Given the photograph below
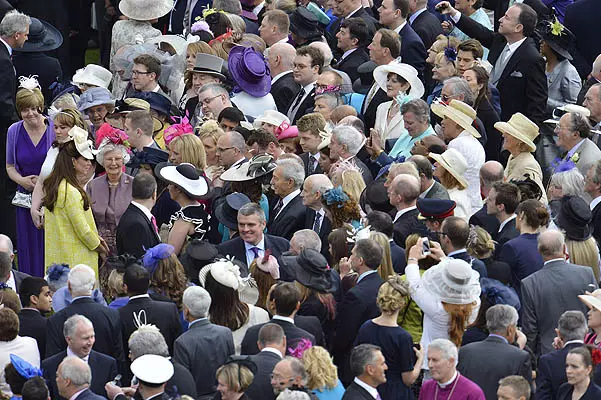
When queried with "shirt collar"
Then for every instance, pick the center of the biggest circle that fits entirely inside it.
(77, 394)
(425, 192)
(308, 88)
(81, 297)
(574, 149)
(273, 350)
(195, 321)
(260, 245)
(553, 260)
(353, 13)
(451, 254)
(71, 354)
(12, 283)
(289, 197)
(142, 207)
(278, 76)
(514, 46)
(445, 384)
(400, 27)
(282, 318)
(511, 218)
(366, 273)
(415, 15)
(500, 337)
(348, 52)
(595, 201)
(399, 213)
(10, 49)
(573, 341)
(140, 296)
(373, 392)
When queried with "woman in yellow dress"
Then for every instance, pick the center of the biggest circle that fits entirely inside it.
(71, 235)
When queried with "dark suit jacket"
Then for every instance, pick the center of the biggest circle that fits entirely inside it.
(551, 372)
(311, 323)
(399, 261)
(593, 392)
(293, 335)
(33, 324)
(476, 264)
(428, 27)
(107, 326)
(523, 83)
(89, 395)
(510, 360)
(413, 51)
(498, 270)
(305, 158)
(370, 21)
(47, 68)
(324, 230)
(489, 222)
(203, 349)
(356, 392)
(290, 219)
(104, 369)
(19, 276)
(261, 387)
(182, 381)
(365, 172)
(489, 117)
(357, 306)
(581, 18)
(135, 233)
(508, 232)
(352, 61)
(406, 225)
(438, 192)
(284, 90)
(596, 223)
(539, 315)
(369, 115)
(305, 107)
(235, 247)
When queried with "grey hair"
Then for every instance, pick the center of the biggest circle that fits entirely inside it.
(325, 50)
(418, 107)
(332, 99)
(14, 22)
(81, 279)
(298, 368)
(580, 124)
(285, 50)
(571, 182)
(9, 243)
(147, 339)
(572, 326)
(252, 209)
(292, 170)
(550, 243)
(322, 185)
(596, 173)
(238, 24)
(289, 394)
(446, 347)
(307, 239)
(459, 86)
(237, 140)
(229, 6)
(598, 87)
(70, 325)
(107, 148)
(350, 137)
(197, 300)
(500, 317)
(76, 370)
(362, 356)
(215, 88)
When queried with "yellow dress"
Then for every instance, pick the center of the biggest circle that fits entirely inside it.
(70, 231)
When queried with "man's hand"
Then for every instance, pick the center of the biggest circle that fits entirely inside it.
(113, 390)
(445, 8)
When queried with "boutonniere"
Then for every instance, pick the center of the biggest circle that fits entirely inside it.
(575, 157)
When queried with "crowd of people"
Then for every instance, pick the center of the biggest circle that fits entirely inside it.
(278, 199)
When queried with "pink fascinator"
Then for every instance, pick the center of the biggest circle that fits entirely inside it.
(271, 266)
(177, 130)
(107, 134)
(301, 347)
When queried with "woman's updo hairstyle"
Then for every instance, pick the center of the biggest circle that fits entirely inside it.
(535, 213)
(29, 98)
(480, 243)
(591, 356)
(393, 294)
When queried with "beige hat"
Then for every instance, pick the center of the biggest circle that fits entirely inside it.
(521, 128)
(82, 144)
(454, 163)
(93, 75)
(272, 117)
(592, 300)
(459, 112)
(145, 10)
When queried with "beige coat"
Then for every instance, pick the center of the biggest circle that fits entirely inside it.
(525, 163)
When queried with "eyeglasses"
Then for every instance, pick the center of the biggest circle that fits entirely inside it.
(136, 73)
(208, 100)
(222, 150)
(280, 378)
(561, 128)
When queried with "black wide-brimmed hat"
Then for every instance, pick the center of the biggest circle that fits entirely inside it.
(366, 77)
(42, 37)
(198, 254)
(375, 196)
(186, 177)
(304, 23)
(310, 269)
(148, 156)
(558, 37)
(227, 211)
(575, 218)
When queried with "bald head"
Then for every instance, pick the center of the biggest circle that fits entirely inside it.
(325, 50)
(313, 188)
(6, 245)
(280, 57)
(596, 72)
(490, 173)
(551, 245)
(407, 186)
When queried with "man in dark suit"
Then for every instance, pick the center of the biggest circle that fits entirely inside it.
(272, 345)
(519, 69)
(36, 300)
(349, 9)
(252, 242)
(403, 193)
(205, 346)
(308, 63)
(284, 301)
(288, 214)
(539, 315)
(137, 230)
(73, 380)
(284, 89)
(593, 188)
(106, 320)
(79, 334)
(313, 190)
(490, 173)
(429, 188)
(501, 321)
(453, 240)
(502, 201)
(309, 128)
(352, 40)
(358, 304)
(580, 19)
(424, 23)
(164, 315)
(347, 142)
(368, 366)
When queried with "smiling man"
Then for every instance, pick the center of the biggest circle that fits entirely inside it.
(288, 214)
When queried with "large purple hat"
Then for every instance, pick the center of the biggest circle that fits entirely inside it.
(249, 70)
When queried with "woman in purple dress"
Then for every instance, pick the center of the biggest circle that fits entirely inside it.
(28, 142)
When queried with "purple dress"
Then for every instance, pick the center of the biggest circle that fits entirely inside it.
(28, 159)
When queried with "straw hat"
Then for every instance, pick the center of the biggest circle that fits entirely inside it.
(568, 108)
(405, 71)
(521, 128)
(93, 75)
(453, 281)
(454, 163)
(145, 10)
(460, 113)
(592, 300)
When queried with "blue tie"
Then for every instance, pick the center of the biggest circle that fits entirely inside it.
(255, 251)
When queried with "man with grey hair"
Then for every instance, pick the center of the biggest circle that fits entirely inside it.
(252, 242)
(288, 214)
(304, 239)
(212, 99)
(106, 320)
(539, 315)
(592, 101)
(491, 172)
(403, 194)
(501, 321)
(288, 373)
(13, 278)
(551, 371)
(345, 143)
(369, 369)
(313, 190)
(592, 186)
(284, 89)
(73, 379)
(230, 149)
(573, 132)
(205, 346)
(79, 334)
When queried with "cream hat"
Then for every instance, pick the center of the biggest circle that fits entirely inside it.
(572, 108)
(93, 75)
(145, 10)
(592, 300)
(405, 71)
(152, 368)
(454, 163)
(224, 272)
(459, 112)
(453, 281)
(272, 117)
(82, 144)
(521, 128)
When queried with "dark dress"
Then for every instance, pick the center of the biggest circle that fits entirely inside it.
(397, 348)
(312, 306)
(197, 216)
(592, 393)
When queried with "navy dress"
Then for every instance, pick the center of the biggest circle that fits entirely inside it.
(521, 253)
(592, 393)
(397, 348)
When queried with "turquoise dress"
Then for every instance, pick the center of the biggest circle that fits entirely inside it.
(335, 393)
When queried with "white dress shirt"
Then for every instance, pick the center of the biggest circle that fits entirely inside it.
(250, 255)
(403, 211)
(145, 210)
(512, 217)
(373, 392)
(595, 201)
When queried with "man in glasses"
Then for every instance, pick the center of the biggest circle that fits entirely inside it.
(288, 373)
(145, 75)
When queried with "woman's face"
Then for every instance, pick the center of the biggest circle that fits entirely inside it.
(545, 50)
(394, 86)
(472, 80)
(210, 148)
(62, 132)
(576, 371)
(97, 115)
(175, 156)
(173, 191)
(442, 70)
(288, 145)
(82, 166)
(324, 162)
(190, 59)
(113, 162)
(511, 144)
(594, 318)
(438, 170)
(224, 389)
(30, 114)
(432, 53)
(268, 127)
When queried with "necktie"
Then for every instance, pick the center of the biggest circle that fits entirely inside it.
(370, 95)
(317, 223)
(277, 208)
(500, 65)
(294, 108)
(311, 165)
(255, 251)
(154, 224)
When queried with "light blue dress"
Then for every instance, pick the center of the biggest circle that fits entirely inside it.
(330, 394)
(480, 17)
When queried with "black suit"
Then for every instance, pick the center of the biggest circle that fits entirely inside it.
(284, 90)
(582, 18)
(490, 223)
(235, 247)
(182, 381)
(405, 225)
(107, 326)
(47, 68)
(33, 324)
(311, 324)
(104, 369)
(399, 261)
(290, 219)
(356, 392)
(498, 270)
(508, 232)
(261, 387)
(135, 232)
(413, 51)
(306, 158)
(509, 360)
(369, 114)
(428, 27)
(350, 63)
(362, 13)
(306, 106)
(19, 276)
(523, 83)
(324, 230)
(292, 332)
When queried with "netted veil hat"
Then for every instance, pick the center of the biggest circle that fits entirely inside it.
(453, 281)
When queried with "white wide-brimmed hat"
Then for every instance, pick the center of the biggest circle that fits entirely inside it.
(460, 113)
(453, 281)
(145, 10)
(185, 176)
(93, 75)
(521, 128)
(83, 145)
(152, 368)
(568, 108)
(405, 71)
(179, 43)
(454, 162)
(592, 300)
(272, 117)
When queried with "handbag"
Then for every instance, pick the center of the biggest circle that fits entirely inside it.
(22, 200)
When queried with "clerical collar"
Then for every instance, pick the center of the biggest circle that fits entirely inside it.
(445, 384)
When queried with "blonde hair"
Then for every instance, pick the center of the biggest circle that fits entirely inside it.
(196, 48)
(115, 284)
(441, 56)
(321, 371)
(210, 129)
(27, 98)
(191, 149)
(238, 24)
(584, 252)
(449, 181)
(353, 184)
(235, 376)
(443, 41)
(407, 167)
(385, 269)
(393, 294)
(480, 243)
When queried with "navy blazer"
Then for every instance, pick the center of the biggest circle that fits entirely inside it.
(284, 90)
(399, 260)
(593, 392)
(352, 62)
(292, 332)
(551, 372)
(33, 324)
(521, 253)
(261, 388)
(476, 264)
(235, 247)
(406, 225)
(508, 232)
(135, 233)
(489, 222)
(428, 27)
(413, 51)
(290, 219)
